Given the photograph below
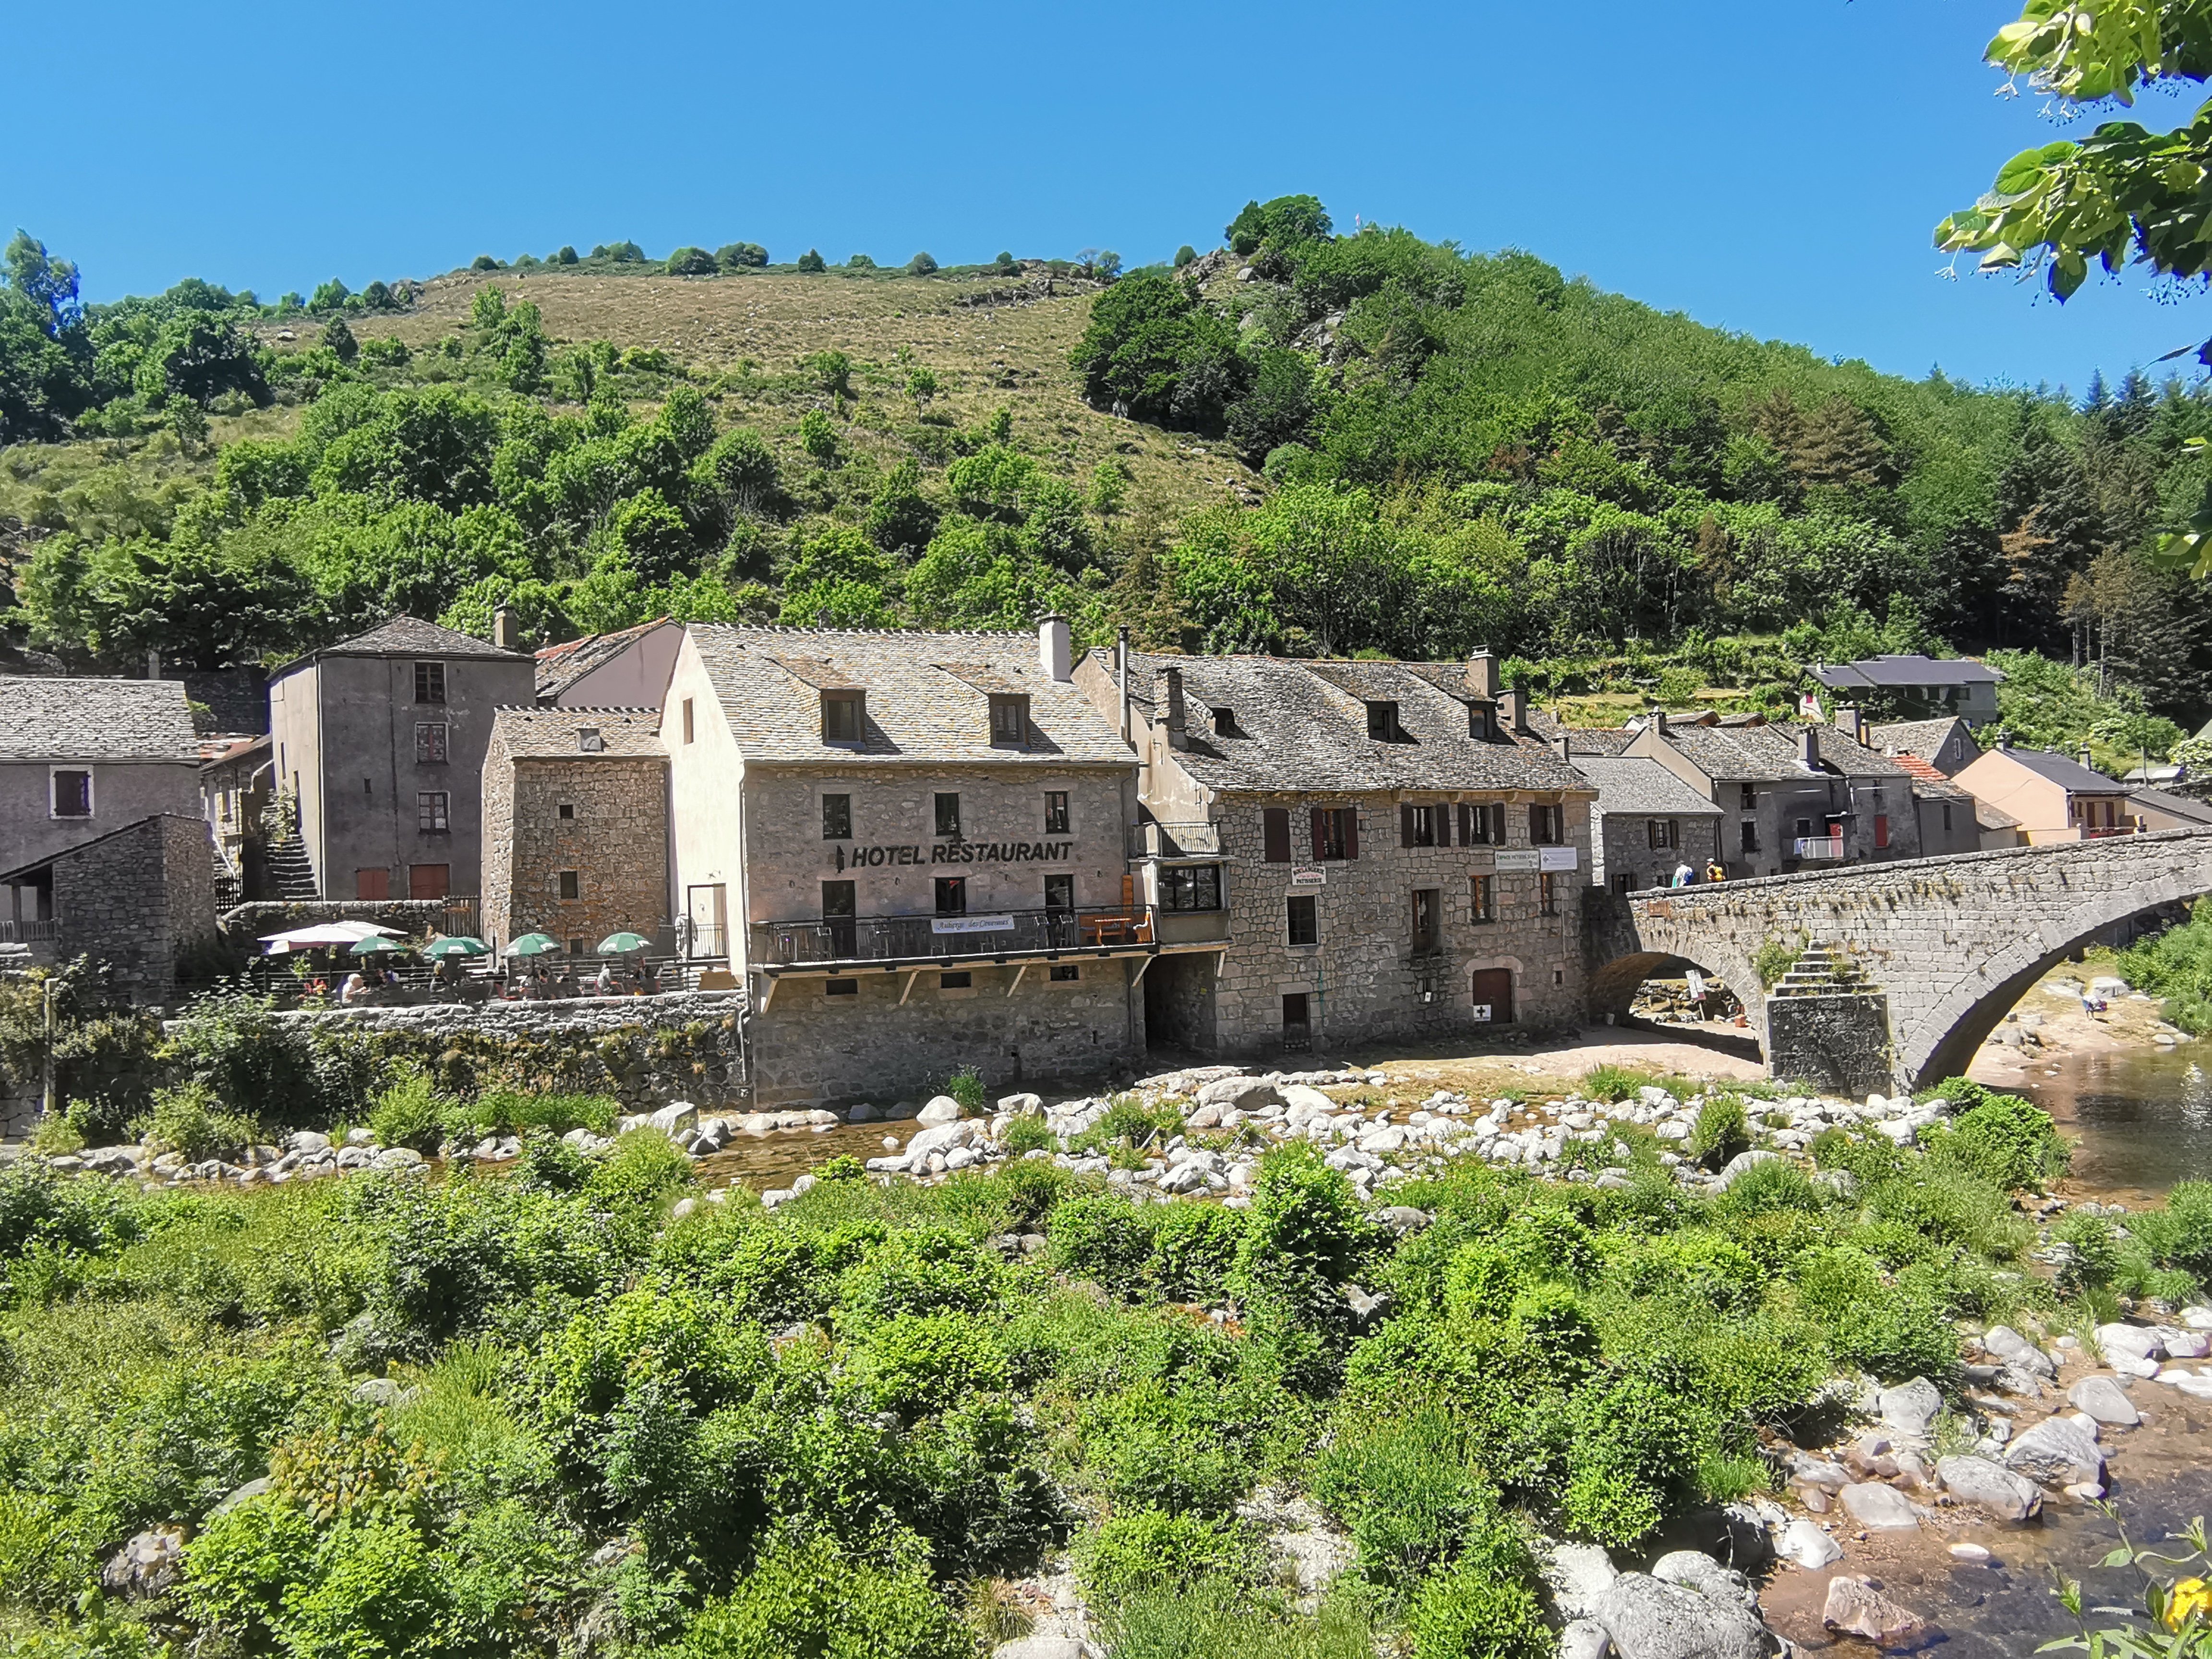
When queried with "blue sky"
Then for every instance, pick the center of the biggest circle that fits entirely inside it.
(1771, 168)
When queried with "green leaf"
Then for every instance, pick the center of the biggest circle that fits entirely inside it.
(2120, 1557)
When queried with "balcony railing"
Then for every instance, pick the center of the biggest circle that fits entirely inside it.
(2098, 832)
(29, 932)
(1174, 841)
(933, 938)
(1817, 847)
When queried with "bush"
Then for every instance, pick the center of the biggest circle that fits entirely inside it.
(1468, 1614)
(1407, 1492)
(692, 262)
(843, 1167)
(1106, 1240)
(919, 1362)
(1721, 1132)
(1193, 1248)
(189, 1121)
(1129, 1122)
(1614, 1083)
(741, 255)
(500, 1111)
(1185, 255)
(1631, 1457)
(811, 260)
(411, 1113)
(921, 265)
(645, 1167)
(2180, 1235)
(812, 1598)
(817, 435)
(1305, 1221)
(966, 1086)
(1152, 1549)
(2092, 1258)
(2005, 1141)
(1030, 1132)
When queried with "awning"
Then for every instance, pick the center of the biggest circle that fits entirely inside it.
(332, 934)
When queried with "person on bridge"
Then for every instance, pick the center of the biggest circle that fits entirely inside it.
(1683, 875)
(1716, 871)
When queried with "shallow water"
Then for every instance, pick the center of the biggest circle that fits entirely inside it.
(2143, 1119)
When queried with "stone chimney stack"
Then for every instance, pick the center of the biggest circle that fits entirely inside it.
(1053, 654)
(1659, 721)
(1809, 747)
(1482, 673)
(1122, 675)
(1846, 720)
(507, 628)
(1171, 695)
(2082, 754)
(2005, 741)
(1516, 711)
(1563, 746)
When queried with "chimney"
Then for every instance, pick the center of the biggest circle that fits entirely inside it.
(2005, 741)
(1658, 722)
(1563, 746)
(1516, 711)
(1122, 675)
(1809, 747)
(1172, 679)
(506, 627)
(1052, 647)
(1846, 718)
(2082, 754)
(1482, 673)
(154, 665)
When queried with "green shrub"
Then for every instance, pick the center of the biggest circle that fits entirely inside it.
(2179, 1236)
(500, 1111)
(1304, 1221)
(2004, 1140)
(1406, 1490)
(1193, 1248)
(1720, 1132)
(1106, 1240)
(966, 1086)
(814, 1599)
(411, 1113)
(1030, 1132)
(2092, 1258)
(644, 1167)
(918, 1363)
(189, 1122)
(1614, 1083)
(1468, 1614)
(692, 262)
(920, 1270)
(1129, 1122)
(1871, 1158)
(1151, 1549)
(1632, 1456)
(1547, 1240)
(921, 265)
(843, 1167)
(1871, 1323)
(1706, 1265)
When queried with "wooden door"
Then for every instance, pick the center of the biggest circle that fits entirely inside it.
(1493, 996)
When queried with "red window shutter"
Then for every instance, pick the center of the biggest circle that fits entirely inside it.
(1275, 832)
(1880, 830)
(1352, 832)
(1405, 825)
(1320, 831)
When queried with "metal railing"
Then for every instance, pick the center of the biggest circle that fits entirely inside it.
(1174, 841)
(1817, 847)
(30, 932)
(933, 938)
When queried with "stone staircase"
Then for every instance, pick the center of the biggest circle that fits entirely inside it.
(1817, 972)
(291, 872)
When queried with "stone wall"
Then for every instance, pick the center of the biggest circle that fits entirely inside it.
(1363, 979)
(136, 899)
(1837, 1042)
(615, 839)
(808, 1045)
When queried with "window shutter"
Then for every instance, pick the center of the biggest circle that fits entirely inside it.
(1466, 824)
(1320, 831)
(1275, 833)
(1405, 824)
(1352, 832)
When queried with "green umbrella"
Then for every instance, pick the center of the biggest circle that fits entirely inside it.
(456, 945)
(621, 944)
(375, 945)
(533, 945)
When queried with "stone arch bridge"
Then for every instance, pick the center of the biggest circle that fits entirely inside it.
(1952, 942)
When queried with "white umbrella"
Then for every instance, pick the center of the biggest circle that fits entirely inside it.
(332, 933)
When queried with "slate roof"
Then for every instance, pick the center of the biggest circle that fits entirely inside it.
(1637, 787)
(1591, 740)
(88, 720)
(560, 667)
(2194, 812)
(1754, 754)
(1888, 671)
(1925, 738)
(2070, 775)
(409, 637)
(917, 711)
(1928, 781)
(537, 734)
(1301, 727)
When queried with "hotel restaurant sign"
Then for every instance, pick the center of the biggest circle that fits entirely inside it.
(958, 851)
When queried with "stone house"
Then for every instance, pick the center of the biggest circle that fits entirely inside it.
(911, 848)
(237, 785)
(380, 742)
(1920, 686)
(575, 816)
(1648, 822)
(2049, 797)
(1791, 795)
(1947, 746)
(627, 669)
(1397, 854)
(138, 899)
(78, 758)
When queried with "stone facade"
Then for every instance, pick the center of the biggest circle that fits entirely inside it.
(575, 842)
(1838, 1041)
(137, 899)
(1624, 849)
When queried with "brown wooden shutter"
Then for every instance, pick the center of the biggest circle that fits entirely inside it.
(1275, 834)
(1352, 832)
(1405, 824)
(1320, 831)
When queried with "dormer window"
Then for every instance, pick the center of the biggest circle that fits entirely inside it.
(1481, 722)
(589, 740)
(1225, 722)
(1010, 719)
(1382, 722)
(842, 712)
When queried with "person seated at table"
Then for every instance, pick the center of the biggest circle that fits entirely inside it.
(604, 984)
(355, 990)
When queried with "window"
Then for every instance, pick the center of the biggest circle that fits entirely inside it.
(1190, 887)
(839, 907)
(567, 809)
(1748, 837)
(72, 793)
(372, 884)
(1547, 894)
(1663, 834)
(836, 817)
(1748, 797)
(1804, 828)
(1060, 892)
(959, 981)
(690, 730)
(429, 881)
(841, 716)
(1275, 834)
(1481, 826)
(430, 743)
(1947, 817)
(430, 682)
(571, 886)
(1480, 721)
(367, 789)
(1382, 722)
(1010, 719)
(1055, 812)
(1066, 973)
(1304, 920)
(1428, 920)
(431, 806)
(1418, 826)
(948, 815)
(1336, 833)
(575, 947)
(952, 895)
(1425, 989)
(1547, 826)
(590, 740)
(1625, 882)
(841, 987)
(1482, 898)
(1225, 722)
(1881, 829)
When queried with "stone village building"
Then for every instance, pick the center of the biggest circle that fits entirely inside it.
(1395, 852)
(575, 815)
(1649, 821)
(911, 848)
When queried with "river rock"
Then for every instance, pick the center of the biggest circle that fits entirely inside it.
(1806, 1546)
(2129, 1341)
(2105, 1400)
(1911, 1408)
(2178, 1343)
(941, 1110)
(942, 1138)
(675, 1117)
(1246, 1094)
(1883, 1507)
(147, 1565)
(1021, 1105)
(2057, 1452)
(1584, 1638)
(1742, 1162)
(1695, 1570)
(2017, 1353)
(1305, 1102)
(1857, 1609)
(2003, 1493)
(397, 1158)
(1576, 1577)
(1649, 1620)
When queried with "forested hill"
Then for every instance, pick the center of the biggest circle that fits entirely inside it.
(1300, 442)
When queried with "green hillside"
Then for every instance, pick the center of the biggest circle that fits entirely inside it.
(1300, 442)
